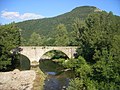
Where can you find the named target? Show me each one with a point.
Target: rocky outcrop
(17, 80)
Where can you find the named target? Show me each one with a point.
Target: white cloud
(10, 15)
(17, 15)
(30, 16)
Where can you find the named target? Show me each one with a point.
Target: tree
(78, 27)
(49, 41)
(61, 37)
(100, 47)
(35, 39)
(80, 84)
(9, 39)
(23, 42)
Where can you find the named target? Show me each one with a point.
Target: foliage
(99, 42)
(61, 37)
(80, 66)
(75, 33)
(76, 84)
(35, 40)
(81, 84)
(9, 39)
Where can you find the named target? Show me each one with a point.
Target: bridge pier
(34, 64)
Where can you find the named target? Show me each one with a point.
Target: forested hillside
(59, 30)
(46, 27)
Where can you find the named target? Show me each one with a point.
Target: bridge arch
(59, 53)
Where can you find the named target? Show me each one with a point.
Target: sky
(20, 10)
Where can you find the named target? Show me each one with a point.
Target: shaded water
(56, 79)
(24, 63)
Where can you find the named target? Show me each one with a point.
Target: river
(56, 79)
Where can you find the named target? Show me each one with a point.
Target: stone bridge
(34, 53)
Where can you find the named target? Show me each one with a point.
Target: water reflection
(51, 73)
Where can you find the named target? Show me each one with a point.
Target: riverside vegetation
(95, 32)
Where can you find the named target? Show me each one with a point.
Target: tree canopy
(9, 39)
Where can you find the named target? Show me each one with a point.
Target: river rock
(17, 80)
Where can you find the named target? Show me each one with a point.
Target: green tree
(80, 84)
(9, 39)
(24, 42)
(82, 70)
(61, 37)
(49, 41)
(35, 39)
(100, 47)
(77, 28)
(80, 66)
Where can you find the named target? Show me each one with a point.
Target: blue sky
(20, 10)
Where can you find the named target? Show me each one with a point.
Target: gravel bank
(17, 80)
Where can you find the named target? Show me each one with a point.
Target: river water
(56, 79)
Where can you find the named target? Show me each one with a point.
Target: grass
(39, 80)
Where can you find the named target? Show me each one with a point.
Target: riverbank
(39, 80)
(17, 80)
